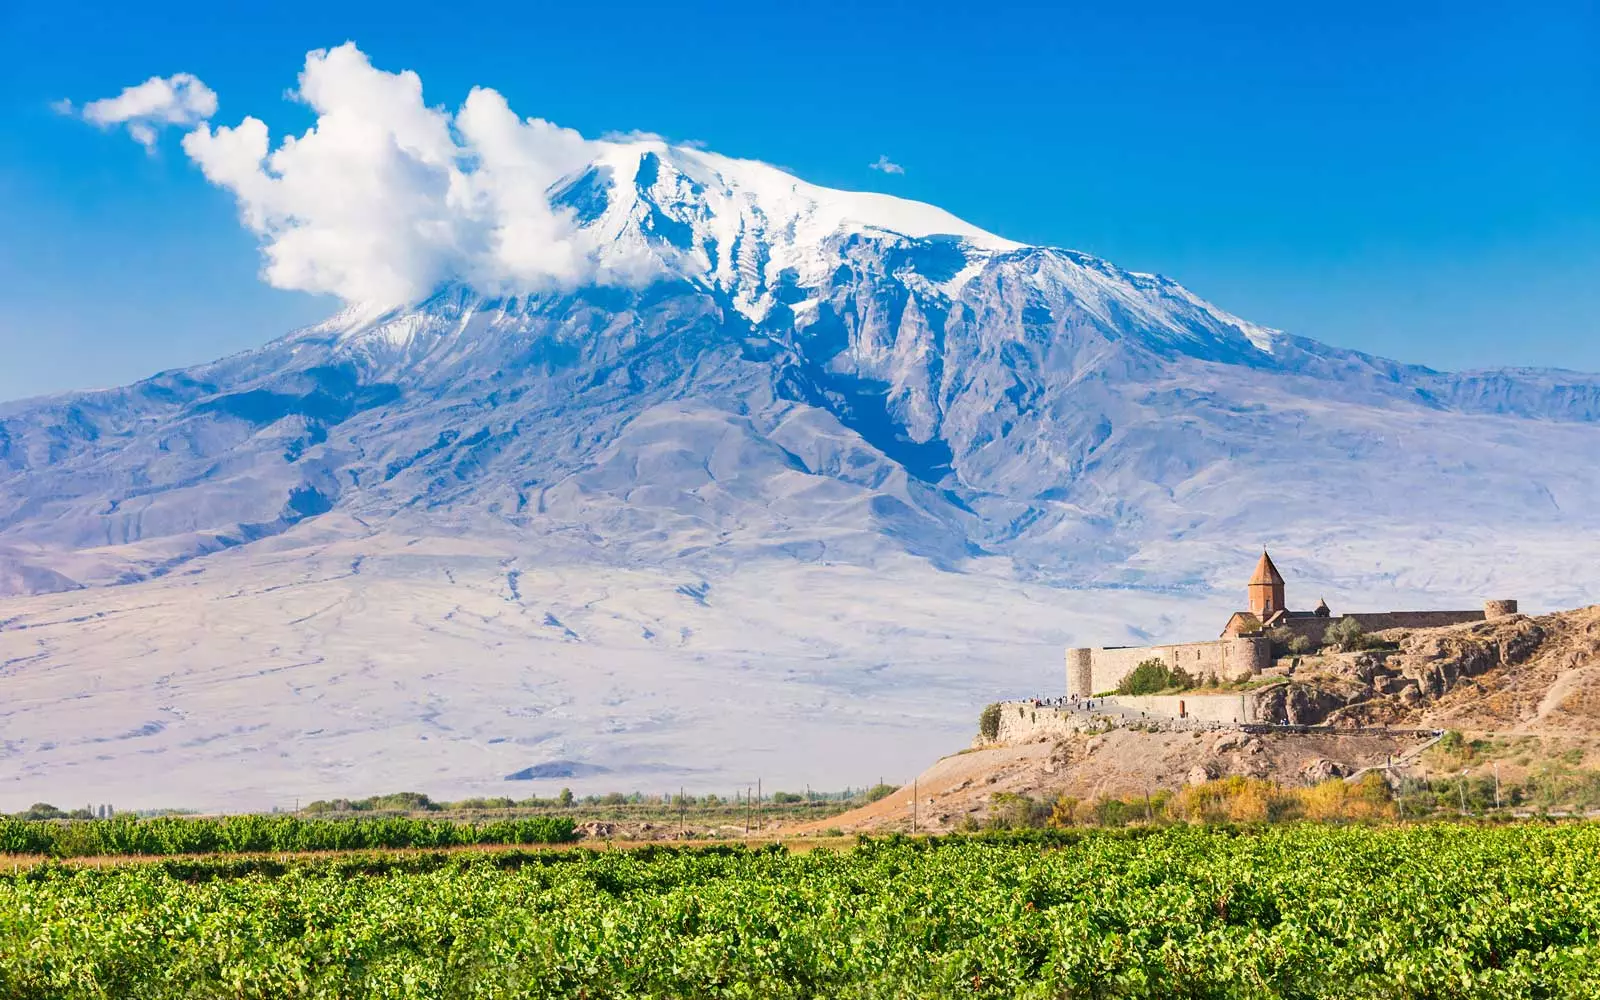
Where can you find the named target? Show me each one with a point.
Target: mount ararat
(800, 478)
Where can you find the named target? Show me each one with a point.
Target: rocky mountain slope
(807, 374)
(847, 402)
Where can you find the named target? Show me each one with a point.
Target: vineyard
(252, 833)
(1431, 911)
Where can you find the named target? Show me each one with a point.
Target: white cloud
(887, 165)
(385, 197)
(179, 99)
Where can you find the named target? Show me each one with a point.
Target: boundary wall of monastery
(1023, 722)
(1228, 709)
(1097, 670)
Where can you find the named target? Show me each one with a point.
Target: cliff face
(1519, 674)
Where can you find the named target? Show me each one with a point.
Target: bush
(1064, 812)
(785, 798)
(1301, 644)
(1010, 811)
(877, 792)
(989, 722)
(1347, 634)
(1152, 676)
(1279, 638)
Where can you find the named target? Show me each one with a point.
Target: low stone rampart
(1023, 722)
(1229, 709)
(1099, 670)
(1377, 621)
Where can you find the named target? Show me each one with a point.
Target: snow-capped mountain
(774, 376)
(811, 373)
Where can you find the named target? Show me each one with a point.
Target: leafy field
(1439, 911)
(247, 833)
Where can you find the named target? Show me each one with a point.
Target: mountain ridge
(960, 395)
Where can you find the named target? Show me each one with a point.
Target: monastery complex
(1245, 647)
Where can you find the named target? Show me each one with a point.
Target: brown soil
(1119, 763)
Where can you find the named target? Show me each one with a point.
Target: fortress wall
(1223, 708)
(1092, 671)
(1020, 722)
(1378, 621)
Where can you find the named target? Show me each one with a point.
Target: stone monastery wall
(1095, 671)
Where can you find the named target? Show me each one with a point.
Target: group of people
(1066, 701)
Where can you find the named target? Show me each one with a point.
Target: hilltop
(1518, 699)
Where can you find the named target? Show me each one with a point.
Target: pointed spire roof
(1322, 604)
(1266, 573)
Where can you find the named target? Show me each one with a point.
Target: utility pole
(747, 810)
(1497, 786)
(683, 822)
(758, 803)
(913, 805)
(1461, 786)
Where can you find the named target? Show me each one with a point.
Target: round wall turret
(1080, 672)
(1499, 609)
(1245, 657)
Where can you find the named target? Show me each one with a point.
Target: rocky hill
(1518, 698)
(1522, 675)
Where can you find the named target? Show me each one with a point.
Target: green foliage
(1010, 811)
(237, 834)
(1347, 634)
(877, 792)
(1300, 645)
(565, 798)
(1304, 911)
(989, 722)
(393, 802)
(41, 811)
(785, 798)
(1152, 676)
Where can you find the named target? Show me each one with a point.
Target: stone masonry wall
(1378, 621)
(1021, 722)
(1224, 708)
(1094, 671)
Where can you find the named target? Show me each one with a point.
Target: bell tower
(1266, 589)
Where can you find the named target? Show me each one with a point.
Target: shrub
(1365, 799)
(989, 722)
(877, 792)
(1233, 799)
(1347, 634)
(1151, 676)
(1010, 811)
(1064, 812)
(1301, 644)
(1279, 638)
(785, 798)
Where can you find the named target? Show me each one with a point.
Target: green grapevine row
(238, 834)
(1302, 911)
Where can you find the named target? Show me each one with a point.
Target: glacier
(802, 481)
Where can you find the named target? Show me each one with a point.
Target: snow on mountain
(774, 382)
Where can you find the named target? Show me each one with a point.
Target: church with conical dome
(1252, 638)
(1269, 607)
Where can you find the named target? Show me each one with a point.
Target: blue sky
(1416, 180)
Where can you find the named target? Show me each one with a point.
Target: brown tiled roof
(1266, 572)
